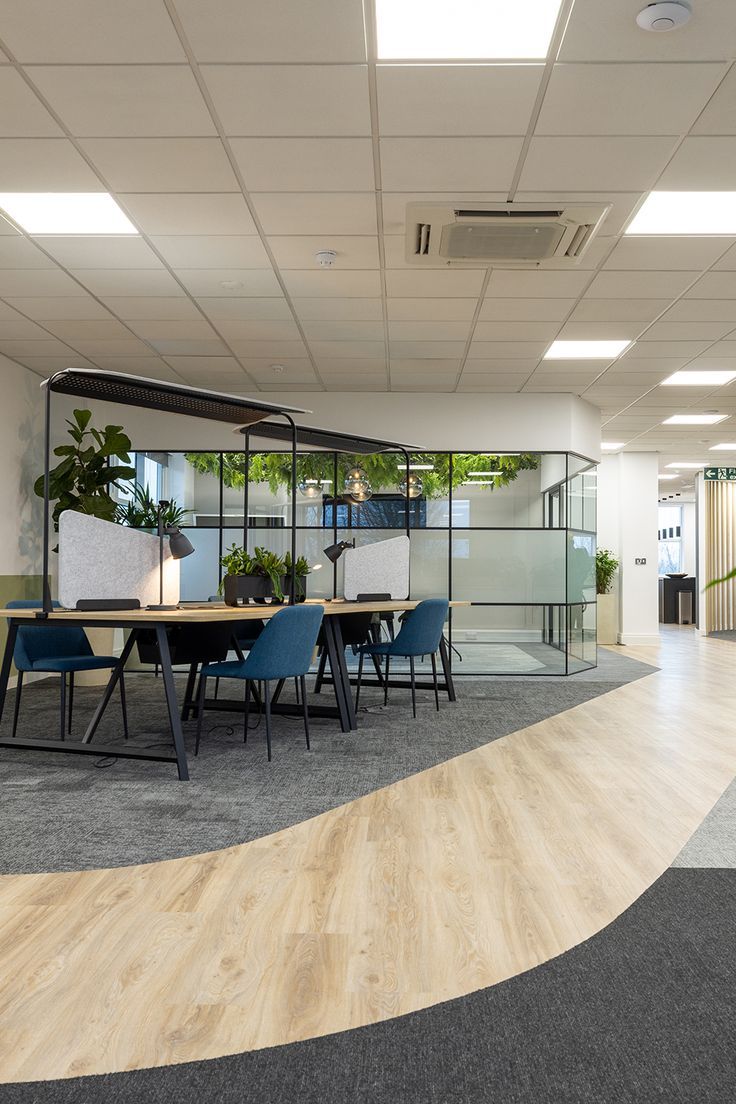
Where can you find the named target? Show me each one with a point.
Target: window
(670, 539)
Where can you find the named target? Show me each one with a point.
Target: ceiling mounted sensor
(509, 234)
(325, 258)
(664, 17)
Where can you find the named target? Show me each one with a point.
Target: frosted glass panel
(508, 565)
(200, 571)
(580, 567)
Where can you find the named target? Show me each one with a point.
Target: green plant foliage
(606, 566)
(302, 565)
(141, 512)
(383, 469)
(83, 478)
(238, 561)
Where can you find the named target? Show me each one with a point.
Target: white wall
(689, 541)
(21, 461)
(627, 525)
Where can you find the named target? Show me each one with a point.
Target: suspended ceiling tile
(420, 366)
(22, 115)
(159, 307)
(512, 350)
(718, 116)
(224, 365)
(317, 213)
(431, 310)
(89, 31)
(42, 281)
(171, 213)
(442, 283)
(525, 310)
(162, 164)
(714, 285)
(330, 350)
(278, 100)
(661, 253)
(123, 347)
(688, 331)
(410, 350)
(293, 366)
(277, 350)
(273, 330)
(102, 329)
(601, 31)
(595, 163)
(44, 165)
(701, 164)
(456, 99)
(626, 99)
(618, 310)
(99, 251)
(645, 349)
(45, 366)
(232, 309)
(648, 285)
(702, 310)
(443, 164)
(281, 31)
(429, 331)
(516, 331)
(536, 284)
(305, 164)
(727, 263)
(21, 329)
(299, 251)
(127, 281)
(48, 308)
(125, 100)
(337, 309)
(229, 282)
(18, 252)
(503, 366)
(182, 347)
(44, 347)
(194, 329)
(151, 367)
(343, 331)
(600, 331)
(209, 251)
(332, 283)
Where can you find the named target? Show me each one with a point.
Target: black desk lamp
(334, 551)
(179, 546)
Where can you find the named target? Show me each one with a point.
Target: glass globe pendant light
(309, 488)
(357, 485)
(413, 487)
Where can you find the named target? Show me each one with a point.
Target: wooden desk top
(208, 612)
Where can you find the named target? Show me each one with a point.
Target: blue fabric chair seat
(384, 648)
(74, 663)
(231, 668)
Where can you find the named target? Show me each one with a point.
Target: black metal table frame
(343, 709)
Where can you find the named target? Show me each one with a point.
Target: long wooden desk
(159, 620)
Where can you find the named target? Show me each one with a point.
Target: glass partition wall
(512, 535)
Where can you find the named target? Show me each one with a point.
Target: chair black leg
(217, 685)
(320, 671)
(16, 710)
(360, 676)
(434, 678)
(123, 705)
(200, 709)
(303, 683)
(62, 705)
(267, 704)
(71, 701)
(413, 687)
(296, 689)
(385, 684)
(246, 711)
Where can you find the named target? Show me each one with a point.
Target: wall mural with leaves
(384, 470)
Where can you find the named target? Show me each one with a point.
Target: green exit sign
(719, 473)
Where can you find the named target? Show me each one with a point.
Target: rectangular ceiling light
(608, 445)
(699, 213)
(585, 350)
(695, 419)
(726, 446)
(687, 464)
(673, 476)
(66, 213)
(456, 29)
(698, 379)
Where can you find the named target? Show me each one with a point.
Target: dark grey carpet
(74, 812)
(641, 1013)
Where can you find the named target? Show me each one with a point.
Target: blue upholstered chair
(61, 650)
(420, 635)
(283, 650)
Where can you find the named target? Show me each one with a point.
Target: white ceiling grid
(243, 138)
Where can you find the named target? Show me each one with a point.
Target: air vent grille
(511, 241)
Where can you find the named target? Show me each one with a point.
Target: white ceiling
(241, 138)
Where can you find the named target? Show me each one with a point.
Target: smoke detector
(278, 369)
(325, 258)
(664, 17)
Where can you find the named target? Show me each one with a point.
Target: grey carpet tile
(641, 1013)
(714, 842)
(74, 813)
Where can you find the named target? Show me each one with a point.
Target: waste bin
(685, 607)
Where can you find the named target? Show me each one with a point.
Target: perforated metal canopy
(171, 398)
(330, 439)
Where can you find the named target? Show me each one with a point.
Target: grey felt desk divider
(379, 568)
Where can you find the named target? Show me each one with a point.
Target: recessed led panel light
(695, 419)
(612, 444)
(447, 29)
(687, 464)
(686, 213)
(726, 446)
(66, 213)
(698, 379)
(674, 475)
(585, 350)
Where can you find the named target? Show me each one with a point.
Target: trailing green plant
(384, 469)
(238, 561)
(86, 473)
(141, 512)
(606, 566)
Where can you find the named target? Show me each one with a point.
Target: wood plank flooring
(448, 881)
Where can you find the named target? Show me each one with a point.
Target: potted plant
(300, 581)
(141, 511)
(255, 577)
(606, 566)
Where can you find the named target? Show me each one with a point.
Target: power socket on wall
(640, 561)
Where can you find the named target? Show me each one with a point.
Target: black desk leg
(339, 671)
(168, 676)
(447, 670)
(111, 684)
(7, 661)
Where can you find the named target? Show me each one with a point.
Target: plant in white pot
(606, 566)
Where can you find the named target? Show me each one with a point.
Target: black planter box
(240, 589)
(301, 587)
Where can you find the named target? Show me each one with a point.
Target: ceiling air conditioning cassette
(503, 234)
